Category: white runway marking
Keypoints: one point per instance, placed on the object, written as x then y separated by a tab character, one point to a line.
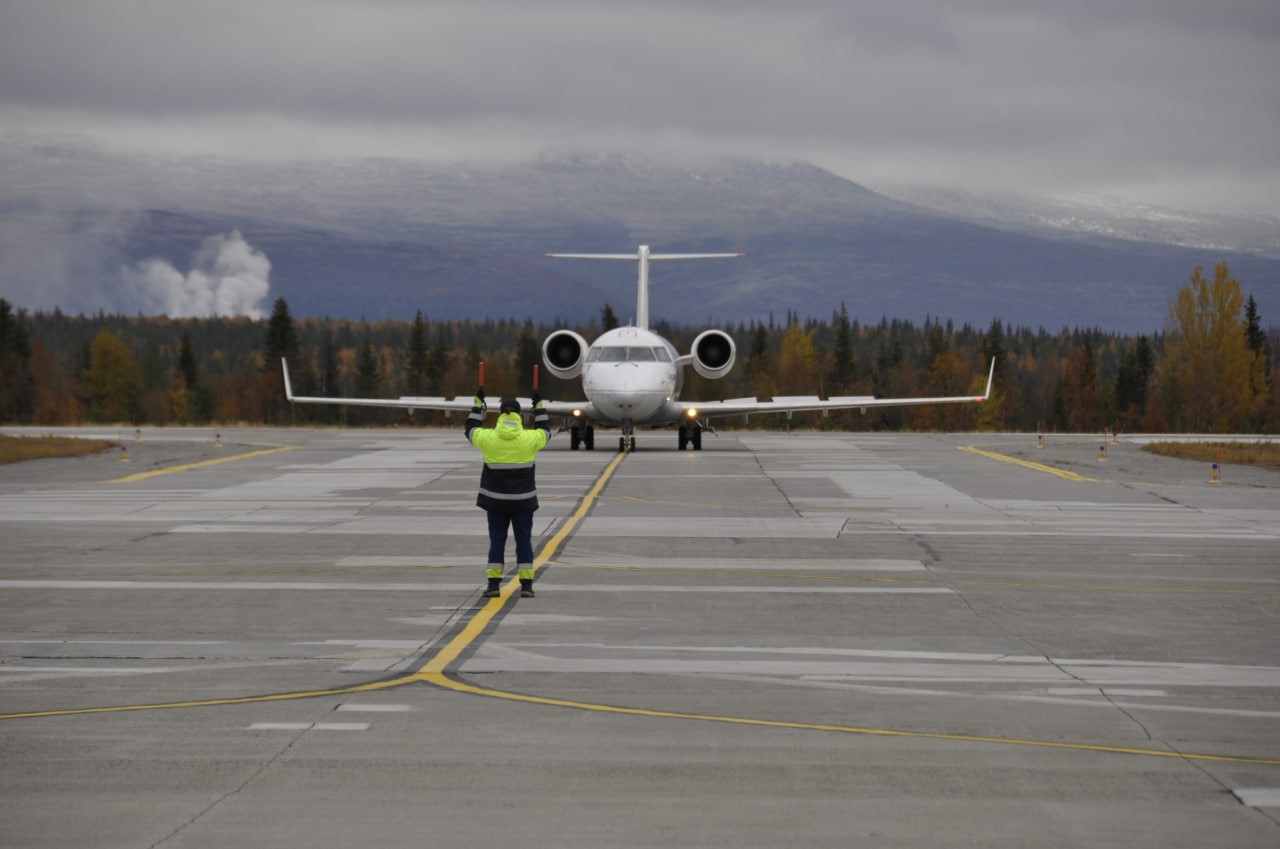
344	586
309	726
348	586
744	564
10	669
1258	797
375	708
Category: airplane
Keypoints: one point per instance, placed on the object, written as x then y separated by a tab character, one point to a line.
632	377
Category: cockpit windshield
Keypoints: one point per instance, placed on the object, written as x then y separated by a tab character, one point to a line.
628	354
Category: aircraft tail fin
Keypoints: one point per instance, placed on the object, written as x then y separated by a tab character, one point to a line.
643	256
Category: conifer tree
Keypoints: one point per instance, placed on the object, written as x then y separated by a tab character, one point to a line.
528	354
417	362
16	385
281	342
608	320
842	355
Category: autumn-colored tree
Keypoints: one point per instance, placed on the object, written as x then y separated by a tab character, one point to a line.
178	399
1209	368
1080	389
57	399
949	376
798	362
115	388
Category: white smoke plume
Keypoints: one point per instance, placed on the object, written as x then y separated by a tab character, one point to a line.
229	278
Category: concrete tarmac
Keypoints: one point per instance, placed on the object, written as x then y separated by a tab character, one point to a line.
821	640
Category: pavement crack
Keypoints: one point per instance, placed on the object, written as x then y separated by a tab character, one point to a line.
232	793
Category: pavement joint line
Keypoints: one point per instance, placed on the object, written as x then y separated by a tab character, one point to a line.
1038	467
436	671
155	473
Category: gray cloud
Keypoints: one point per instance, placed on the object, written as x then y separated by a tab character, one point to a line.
1162	100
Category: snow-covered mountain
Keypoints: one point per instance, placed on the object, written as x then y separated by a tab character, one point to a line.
1102	216
382	238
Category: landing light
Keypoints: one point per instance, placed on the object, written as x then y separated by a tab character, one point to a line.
577	414
692	412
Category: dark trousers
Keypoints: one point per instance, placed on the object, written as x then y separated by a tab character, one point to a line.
522	524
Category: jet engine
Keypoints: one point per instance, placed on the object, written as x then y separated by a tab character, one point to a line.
713	353
563	352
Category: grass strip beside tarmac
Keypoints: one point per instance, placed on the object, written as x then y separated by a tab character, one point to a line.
1262	454
15	449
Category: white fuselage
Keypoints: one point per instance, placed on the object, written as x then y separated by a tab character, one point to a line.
629	375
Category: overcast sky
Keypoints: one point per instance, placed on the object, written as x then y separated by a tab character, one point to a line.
1164	101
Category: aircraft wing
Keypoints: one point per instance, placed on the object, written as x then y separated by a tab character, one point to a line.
804	403
423	402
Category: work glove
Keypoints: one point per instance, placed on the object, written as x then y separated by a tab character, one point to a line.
536	398
478	403
480	394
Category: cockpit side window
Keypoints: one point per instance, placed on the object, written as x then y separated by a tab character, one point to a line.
662	355
638	355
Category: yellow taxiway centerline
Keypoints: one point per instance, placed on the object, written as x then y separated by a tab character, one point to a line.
1038	467
169	470
434	672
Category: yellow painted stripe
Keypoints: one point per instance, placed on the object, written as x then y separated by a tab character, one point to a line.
141	476
1027	464
442	680
481	620
438	662
234	700
434	672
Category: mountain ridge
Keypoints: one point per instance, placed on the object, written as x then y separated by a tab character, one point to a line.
383	238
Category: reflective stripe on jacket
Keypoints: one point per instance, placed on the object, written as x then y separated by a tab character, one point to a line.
507	484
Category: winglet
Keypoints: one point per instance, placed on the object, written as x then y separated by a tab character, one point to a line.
288	387
990	375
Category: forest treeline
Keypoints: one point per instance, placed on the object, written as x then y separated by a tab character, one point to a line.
1212	369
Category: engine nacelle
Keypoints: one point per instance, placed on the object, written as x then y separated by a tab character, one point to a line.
713	353
563	352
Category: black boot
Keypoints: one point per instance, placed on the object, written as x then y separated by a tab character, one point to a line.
494	588
526	588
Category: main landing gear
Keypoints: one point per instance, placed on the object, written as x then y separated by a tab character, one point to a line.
582	435
690	436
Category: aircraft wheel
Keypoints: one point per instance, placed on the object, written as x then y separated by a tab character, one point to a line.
589	438
622	443
696	439
575	437
683	439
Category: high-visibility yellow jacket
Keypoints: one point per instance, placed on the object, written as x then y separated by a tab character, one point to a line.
507	484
